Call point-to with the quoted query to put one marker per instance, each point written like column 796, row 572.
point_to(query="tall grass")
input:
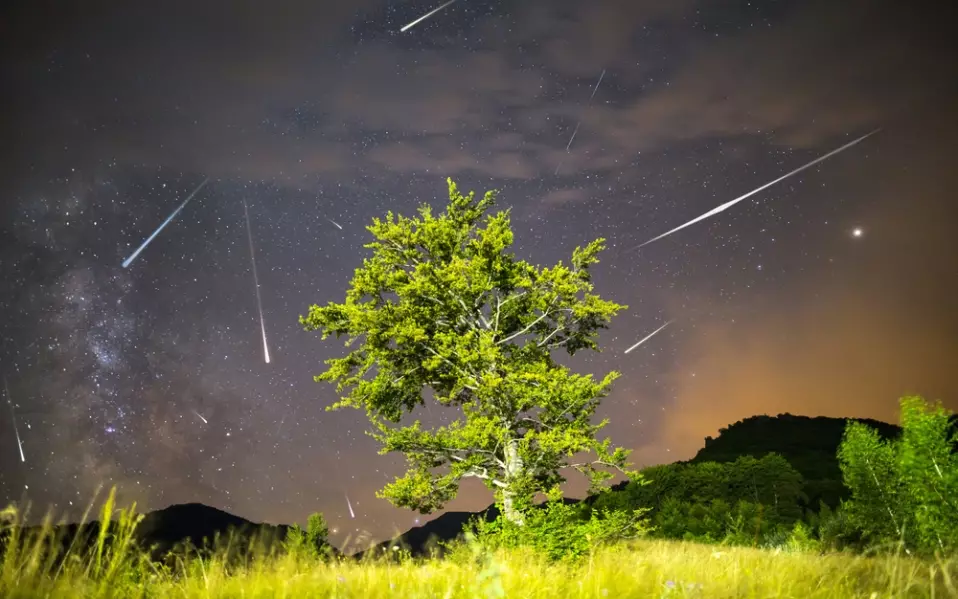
column 36, row 562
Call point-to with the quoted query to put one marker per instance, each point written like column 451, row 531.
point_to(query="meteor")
column 425, row 16
column 259, row 300
column 569, row 145
column 597, row 84
column 128, row 261
column 200, row 416
column 728, row 205
column 352, row 514
column 576, row 131
column 338, row 226
column 13, row 414
column 649, row 336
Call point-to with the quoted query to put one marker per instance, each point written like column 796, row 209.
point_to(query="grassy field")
column 111, row 567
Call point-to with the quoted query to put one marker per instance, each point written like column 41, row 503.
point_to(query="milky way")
column 323, row 116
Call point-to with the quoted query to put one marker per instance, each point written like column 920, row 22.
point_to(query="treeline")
column 746, row 501
column 895, row 490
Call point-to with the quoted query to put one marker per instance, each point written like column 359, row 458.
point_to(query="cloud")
column 561, row 197
column 274, row 94
column 800, row 82
column 580, row 39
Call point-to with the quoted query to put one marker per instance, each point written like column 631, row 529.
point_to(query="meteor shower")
column 478, row 299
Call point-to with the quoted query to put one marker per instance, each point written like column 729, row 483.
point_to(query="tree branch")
column 447, row 452
column 547, row 312
column 474, row 378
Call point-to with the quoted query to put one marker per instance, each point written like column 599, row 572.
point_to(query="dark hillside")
column 192, row 523
column 809, row 444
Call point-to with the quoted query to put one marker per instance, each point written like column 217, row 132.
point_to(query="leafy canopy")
column 444, row 310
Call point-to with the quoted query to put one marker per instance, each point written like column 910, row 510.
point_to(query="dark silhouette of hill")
column 198, row 525
column 809, row 444
column 171, row 528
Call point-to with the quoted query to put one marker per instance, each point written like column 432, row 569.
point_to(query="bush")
column 562, row 531
column 313, row 543
column 802, row 539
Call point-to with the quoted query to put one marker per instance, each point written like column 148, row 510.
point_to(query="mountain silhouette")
column 199, row 525
column 809, row 444
column 195, row 524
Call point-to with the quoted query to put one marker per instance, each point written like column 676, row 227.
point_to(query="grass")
column 112, row 566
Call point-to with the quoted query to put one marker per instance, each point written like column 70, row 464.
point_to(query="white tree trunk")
column 514, row 468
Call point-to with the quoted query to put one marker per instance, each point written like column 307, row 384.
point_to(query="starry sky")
column 831, row 293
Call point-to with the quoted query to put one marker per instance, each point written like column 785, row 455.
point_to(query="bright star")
column 857, row 232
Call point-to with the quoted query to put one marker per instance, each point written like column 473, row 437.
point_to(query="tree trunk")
column 514, row 468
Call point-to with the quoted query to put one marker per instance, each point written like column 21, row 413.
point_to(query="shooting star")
column 425, row 16
column 728, row 205
column 200, row 416
column 338, row 226
column 259, row 299
column 569, row 145
column 597, row 84
column 128, row 261
column 649, row 336
column 352, row 514
column 13, row 414
column 576, row 131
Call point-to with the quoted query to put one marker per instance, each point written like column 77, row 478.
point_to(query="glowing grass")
column 111, row 566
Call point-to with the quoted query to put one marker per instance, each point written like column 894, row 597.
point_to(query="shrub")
column 904, row 491
column 313, row 543
column 562, row 531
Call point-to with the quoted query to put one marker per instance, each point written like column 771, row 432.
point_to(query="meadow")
column 111, row 565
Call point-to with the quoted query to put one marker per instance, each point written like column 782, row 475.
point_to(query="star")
column 858, row 232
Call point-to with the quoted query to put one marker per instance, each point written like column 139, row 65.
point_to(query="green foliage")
column 443, row 307
column 802, row 539
column 562, row 531
column 809, row 444
column 744, row 523
column 904, row 490
column 697, row 500
column 313, row 543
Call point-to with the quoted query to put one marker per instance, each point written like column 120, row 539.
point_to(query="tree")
column 906, row 489
column 879, row 502
column 929, row 469
column 445, row 311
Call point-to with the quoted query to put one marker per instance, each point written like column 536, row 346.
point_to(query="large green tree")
column 446, row 313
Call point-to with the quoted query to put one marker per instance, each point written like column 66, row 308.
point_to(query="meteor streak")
column 352, row 514
column 569, row 145
column 259, row 300
column 728, row 205
column 425, row 16
column 649, row 336
column 597, row 84
column 338, row 226
column 200, row 416
column 128, row 261
column 13, row 414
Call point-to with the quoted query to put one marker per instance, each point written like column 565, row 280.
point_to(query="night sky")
column 832, row 293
